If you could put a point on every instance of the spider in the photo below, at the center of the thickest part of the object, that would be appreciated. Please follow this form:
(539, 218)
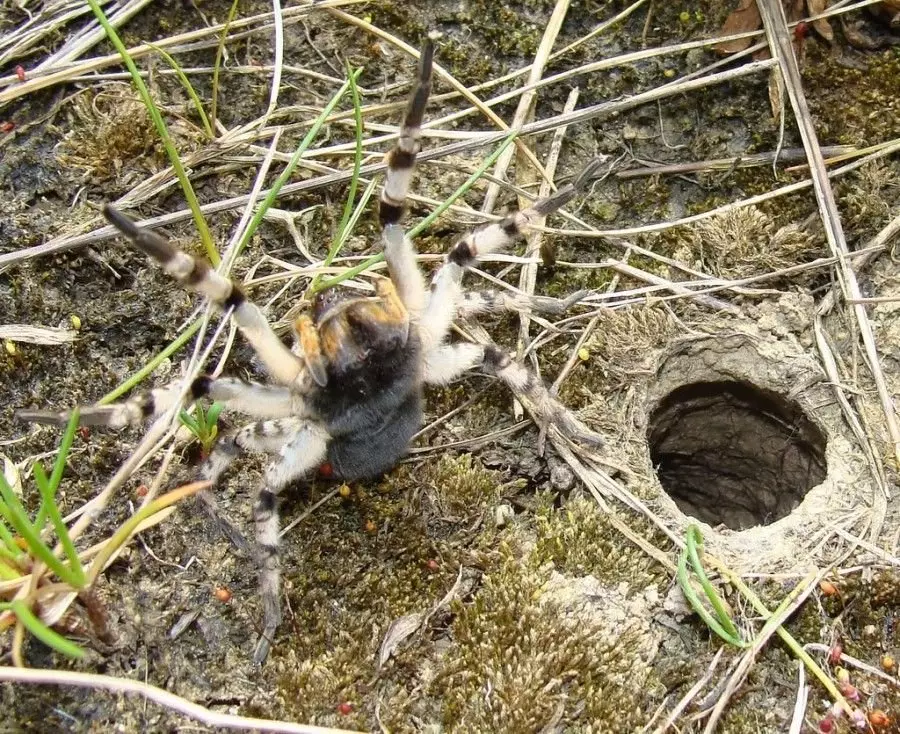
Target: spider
(349, 393)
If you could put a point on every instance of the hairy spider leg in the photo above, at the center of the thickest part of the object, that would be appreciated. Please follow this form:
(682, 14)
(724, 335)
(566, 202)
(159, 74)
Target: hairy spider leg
(305, 450)
(401, 161)
(196, 275)
(262, 437)
(446, 292)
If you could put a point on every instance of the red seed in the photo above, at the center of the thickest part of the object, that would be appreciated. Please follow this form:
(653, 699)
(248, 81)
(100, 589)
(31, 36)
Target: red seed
(222, 593)
(828, 588)
(801, 30)
(20, 72)
(433, 565)
(371, 526)
(345, 708)
(7, 127)
(84, 432)
(142, 490)
(850, 692)
(326, 470)
(834, 654)
(879, 719)
(826, 725)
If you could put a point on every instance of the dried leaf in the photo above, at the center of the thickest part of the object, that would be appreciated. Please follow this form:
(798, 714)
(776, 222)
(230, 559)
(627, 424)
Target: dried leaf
(37, 334)
(742, 20)
(821, 26)
(400, 630)
(12, 475)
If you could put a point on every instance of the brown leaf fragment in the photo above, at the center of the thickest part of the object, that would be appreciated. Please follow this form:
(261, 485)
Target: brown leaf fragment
(821, 26)
(742, 20)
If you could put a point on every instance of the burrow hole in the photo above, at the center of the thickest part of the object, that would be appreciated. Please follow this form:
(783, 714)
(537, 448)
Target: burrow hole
(734, 454)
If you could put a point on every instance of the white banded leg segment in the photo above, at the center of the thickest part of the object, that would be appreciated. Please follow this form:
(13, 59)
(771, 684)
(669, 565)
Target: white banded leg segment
(404, 270)
(251, 398)
(197, 276)
(305, 451)
(446, 294)
(450, 361)
(499, 235)
(491, 301)
(131, 412)
(263, 436)
(401, 160)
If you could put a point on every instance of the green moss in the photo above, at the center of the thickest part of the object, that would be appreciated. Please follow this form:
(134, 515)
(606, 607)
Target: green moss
(463, 487)
(579, 539)
(520, 663)
(842, 99)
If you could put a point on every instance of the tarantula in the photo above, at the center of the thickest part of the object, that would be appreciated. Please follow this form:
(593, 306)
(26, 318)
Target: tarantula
(350, 391)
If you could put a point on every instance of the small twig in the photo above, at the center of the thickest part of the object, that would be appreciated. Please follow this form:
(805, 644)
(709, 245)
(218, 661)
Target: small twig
(800, 703)
(691, 694)
(159, 696)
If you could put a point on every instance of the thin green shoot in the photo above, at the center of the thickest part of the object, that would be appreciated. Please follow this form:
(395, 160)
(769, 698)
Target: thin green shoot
(786, 636)
(14, 515)
(283, 177)
(220, 52)
(348, 220)
(162, 131)
(721, 624)
(148, 368)
(204, 425)
(425, 223)
(188, 87)
(121, 536)
(8, 542)
(40, 630)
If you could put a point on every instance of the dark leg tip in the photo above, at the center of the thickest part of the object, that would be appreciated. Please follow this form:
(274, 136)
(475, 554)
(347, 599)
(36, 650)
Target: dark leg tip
(495, 359)
(120, 221)
(200, 386)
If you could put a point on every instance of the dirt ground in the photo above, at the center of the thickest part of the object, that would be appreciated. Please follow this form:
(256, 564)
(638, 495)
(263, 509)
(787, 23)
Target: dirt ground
(532, 606)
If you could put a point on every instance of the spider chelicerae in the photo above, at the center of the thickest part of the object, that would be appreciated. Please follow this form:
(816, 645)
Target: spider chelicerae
(349, 393)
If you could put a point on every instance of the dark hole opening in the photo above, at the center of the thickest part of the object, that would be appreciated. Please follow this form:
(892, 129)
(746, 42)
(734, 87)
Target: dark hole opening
(734, 454)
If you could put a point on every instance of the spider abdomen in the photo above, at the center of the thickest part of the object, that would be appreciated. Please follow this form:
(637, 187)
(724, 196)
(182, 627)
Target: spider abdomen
(373, 410)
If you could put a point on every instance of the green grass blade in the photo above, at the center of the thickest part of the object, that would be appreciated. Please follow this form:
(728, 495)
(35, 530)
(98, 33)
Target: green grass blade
(282, 179)
(14, 514)
(43, 485)
(7, 573)
(220, 51)
(212, 415)
(695, 539)
(8, 568)
(421, 226)
(59, 466)
(42, 631)
(730, 635)
(162, 131)
(188, 87)
(8, 540)
(147, 369)
(48, 502)
(188, 420)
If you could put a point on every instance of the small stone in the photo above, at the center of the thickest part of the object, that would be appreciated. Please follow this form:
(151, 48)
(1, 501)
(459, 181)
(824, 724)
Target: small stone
(503, 515)
(562, 478)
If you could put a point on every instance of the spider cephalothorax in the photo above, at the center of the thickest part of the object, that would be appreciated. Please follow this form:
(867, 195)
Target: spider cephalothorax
(349, 392)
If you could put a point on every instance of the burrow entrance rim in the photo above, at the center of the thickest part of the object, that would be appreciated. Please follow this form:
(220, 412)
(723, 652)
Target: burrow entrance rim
(731, 453)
